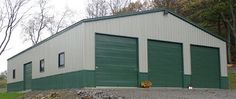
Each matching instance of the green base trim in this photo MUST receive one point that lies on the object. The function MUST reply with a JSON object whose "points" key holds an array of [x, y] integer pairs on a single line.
{"points": [[187, 81], [224, 83], [78, 79], [16, 86], [89, 78], [84, 78]]}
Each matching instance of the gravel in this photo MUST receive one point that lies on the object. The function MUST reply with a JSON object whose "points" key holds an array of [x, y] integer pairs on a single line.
{"points": [[132, 93]]}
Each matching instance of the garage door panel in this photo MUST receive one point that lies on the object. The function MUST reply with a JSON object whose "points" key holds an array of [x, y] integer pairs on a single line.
{"points": [[114, 46], [205, 67], [112, 53], [165, 63], [116, 57], [106, 76], [116, 61], [117, 39], [127, 61], [115, 69], [110, 67]]}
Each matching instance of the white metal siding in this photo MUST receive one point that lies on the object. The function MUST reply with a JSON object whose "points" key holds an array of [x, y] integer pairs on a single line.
{"points": [[71, 43], [153, 26]]}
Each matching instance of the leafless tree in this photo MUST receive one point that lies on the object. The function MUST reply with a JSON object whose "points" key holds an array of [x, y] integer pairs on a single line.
{"points": [[117, 5], [33, 28], [97, 8], [44, 22], [136, 6], [11, 13], [64, 20], [164, 3]]}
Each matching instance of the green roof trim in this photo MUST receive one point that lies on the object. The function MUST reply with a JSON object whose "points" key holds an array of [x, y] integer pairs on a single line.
{"points": [[118, 16]]}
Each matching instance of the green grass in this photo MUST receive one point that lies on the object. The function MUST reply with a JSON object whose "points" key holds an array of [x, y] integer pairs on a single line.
{"points": [[3, 90], [232, 80], [11, 95], [3, 85]]}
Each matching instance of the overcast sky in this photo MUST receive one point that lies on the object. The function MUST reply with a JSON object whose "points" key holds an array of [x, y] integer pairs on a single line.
{"points": [[17, 45]]}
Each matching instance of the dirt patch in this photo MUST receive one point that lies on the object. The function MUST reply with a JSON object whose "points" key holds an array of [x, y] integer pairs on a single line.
{"points": [[135, 93], [74, 94]]}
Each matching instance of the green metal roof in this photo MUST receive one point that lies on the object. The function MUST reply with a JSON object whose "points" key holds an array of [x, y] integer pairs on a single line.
{"points": [[119, 16]]}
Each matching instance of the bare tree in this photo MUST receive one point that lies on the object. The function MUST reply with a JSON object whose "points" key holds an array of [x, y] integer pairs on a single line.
{"points": [[117, 5], [64, 20], [11, 14], [44, 22], [164, 3], [97, 8], [33, 28], [174, 5], [136, 6]]}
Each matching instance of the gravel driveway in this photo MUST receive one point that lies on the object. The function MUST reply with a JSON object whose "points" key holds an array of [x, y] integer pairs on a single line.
{"points": [[133, 93]]}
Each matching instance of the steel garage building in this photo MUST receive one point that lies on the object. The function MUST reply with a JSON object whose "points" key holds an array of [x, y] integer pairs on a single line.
{"points": [[122, 51]]}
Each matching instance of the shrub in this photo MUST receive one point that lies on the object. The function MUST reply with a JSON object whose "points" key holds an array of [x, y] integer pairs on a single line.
{"points": [[146, 84]]}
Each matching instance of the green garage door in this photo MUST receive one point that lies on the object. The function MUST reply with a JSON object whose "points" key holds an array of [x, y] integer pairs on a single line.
{"points": [[205, 67], [27, 75], [116, 61], [165, 64]]}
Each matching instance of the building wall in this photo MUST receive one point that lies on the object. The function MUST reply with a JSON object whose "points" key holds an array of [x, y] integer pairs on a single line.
{"points": [[152, 26], [71, 43], [78, 43]]}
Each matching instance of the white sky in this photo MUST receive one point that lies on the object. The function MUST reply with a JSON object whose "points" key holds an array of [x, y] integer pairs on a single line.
{"points": [[16, 43]]}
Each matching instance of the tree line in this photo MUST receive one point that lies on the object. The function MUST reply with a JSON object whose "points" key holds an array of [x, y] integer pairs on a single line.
{"points": [[218, 16]]}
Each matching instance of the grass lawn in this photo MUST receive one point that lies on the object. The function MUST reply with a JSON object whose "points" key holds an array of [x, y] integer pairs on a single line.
{"points": [[3, 83], [232, 80], [11, 95]]}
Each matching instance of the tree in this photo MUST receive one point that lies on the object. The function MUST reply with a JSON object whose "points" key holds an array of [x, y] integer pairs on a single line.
{"points": [[3, 75], [3, 79], [34, 27], [62, 21], [228, 14], [217, 16], [116, 6], [11, 13], [43, 22], [136, 7], [169, 4], [97, 8]]}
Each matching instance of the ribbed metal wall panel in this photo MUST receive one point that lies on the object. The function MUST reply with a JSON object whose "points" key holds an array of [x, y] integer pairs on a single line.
{"points": [[71, 43], [153, 26]]}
